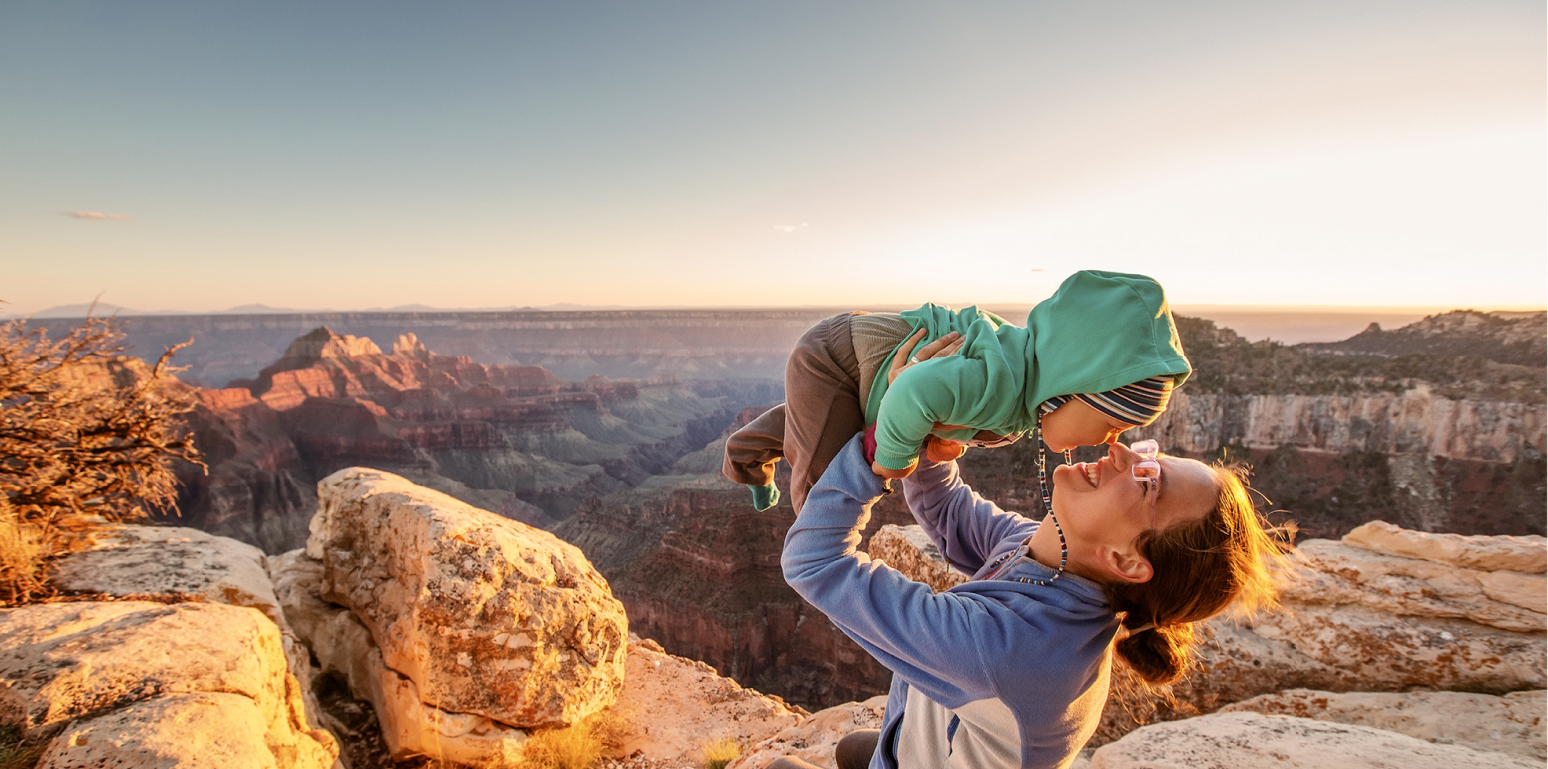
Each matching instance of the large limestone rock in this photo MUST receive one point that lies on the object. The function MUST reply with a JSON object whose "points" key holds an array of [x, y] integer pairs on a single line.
{"points": [[1254, 741], [909, 550], [126, 559], [202, 729], [132, 560], [410, 727], [479, 614], [1509, 724], [1527, 554], [676, 706], [114, 675], [814, 738]]}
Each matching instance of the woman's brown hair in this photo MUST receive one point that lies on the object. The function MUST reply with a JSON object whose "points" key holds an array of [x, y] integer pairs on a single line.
{"points": [[1230, 557]]}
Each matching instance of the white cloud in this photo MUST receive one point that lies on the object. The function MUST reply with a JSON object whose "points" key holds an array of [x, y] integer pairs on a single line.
{"points": [[96, 215]]}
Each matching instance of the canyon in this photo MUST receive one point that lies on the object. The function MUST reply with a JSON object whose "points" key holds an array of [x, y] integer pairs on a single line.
{"points": [[626, 466], [514, 439]]}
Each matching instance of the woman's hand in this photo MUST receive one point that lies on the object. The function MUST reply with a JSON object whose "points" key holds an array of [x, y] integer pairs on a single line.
{"points": [[906, 356], [934, 449]]}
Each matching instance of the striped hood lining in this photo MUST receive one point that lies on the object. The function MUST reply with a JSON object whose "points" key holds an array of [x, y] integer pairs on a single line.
{"points": [[1137, 404]]}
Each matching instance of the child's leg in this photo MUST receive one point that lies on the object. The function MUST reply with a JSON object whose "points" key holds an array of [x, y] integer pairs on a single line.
{"points": [[821, 412], [752, 451], [822, 402]]}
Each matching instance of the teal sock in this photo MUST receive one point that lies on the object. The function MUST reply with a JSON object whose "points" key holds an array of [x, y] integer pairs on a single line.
{"points": [[765, 497]]}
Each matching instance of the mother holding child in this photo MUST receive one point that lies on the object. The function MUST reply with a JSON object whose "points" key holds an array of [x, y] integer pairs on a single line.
{"points": [[1010, 669]]}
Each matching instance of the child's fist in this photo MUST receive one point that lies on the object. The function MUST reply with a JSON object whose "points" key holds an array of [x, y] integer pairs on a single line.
{"points": [[941, 450]]}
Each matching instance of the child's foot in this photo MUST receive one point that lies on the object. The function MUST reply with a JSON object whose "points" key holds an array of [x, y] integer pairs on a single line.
{"points": [[765, 497]]}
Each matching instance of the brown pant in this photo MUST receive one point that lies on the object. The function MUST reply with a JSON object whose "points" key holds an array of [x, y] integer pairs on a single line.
{"points": [[821, 412]]}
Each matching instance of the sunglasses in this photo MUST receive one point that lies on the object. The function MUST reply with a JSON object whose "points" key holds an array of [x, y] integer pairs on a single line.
{"points": [[1148, 469]]}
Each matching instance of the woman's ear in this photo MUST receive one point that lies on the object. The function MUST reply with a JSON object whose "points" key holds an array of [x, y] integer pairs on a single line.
{"points": [[1127, 565]]}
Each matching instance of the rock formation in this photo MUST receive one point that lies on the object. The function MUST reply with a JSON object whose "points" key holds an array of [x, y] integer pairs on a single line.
{"points": [[1504, 337], [513, 439], [1512, 723], [814, 737], [144, 683], [676, 706], [465, 631], [1253, 741], [479, 615]]}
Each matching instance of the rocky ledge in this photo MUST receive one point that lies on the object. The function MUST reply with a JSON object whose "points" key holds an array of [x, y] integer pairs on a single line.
{"points": [[464, 633]]}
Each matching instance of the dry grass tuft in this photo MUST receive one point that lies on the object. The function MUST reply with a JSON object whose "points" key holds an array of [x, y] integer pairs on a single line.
{"points": [[580, 746], [21, 554], [16, 752], [720, 752]]}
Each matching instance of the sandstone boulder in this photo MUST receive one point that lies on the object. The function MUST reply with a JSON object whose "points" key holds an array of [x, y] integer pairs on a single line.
{"points": [[132, 560], [203, 729], [484, 616], [675, 706], [97, 669], [127, 559], [1405, 586], [909, 550], [1527, 554], [814, 738], [1509, 724], [1254, 741], [410, 727]]}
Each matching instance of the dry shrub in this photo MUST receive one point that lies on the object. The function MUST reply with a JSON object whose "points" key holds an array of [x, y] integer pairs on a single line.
{"points": [[716, 754], [579, 746], [86, 434]]}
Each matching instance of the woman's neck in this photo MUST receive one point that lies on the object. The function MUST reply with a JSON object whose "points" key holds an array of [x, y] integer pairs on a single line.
{"points": [[1044, 548]]}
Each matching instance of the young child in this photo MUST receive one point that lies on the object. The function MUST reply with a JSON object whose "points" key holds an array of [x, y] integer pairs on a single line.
{"points": [[1098, 357]]}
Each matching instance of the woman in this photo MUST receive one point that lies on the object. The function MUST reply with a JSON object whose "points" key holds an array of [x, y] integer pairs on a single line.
{"points": [[1012, 668]]}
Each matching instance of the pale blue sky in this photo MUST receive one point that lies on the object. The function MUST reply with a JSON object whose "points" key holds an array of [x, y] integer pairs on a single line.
{"points": [[354, 155]]}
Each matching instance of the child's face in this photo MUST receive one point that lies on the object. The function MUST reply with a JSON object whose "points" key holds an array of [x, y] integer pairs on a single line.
{"points": [[1076, 424]]}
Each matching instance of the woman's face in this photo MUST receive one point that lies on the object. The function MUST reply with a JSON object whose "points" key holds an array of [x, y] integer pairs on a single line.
{"points": [[1077, 424], [1101, 504]]}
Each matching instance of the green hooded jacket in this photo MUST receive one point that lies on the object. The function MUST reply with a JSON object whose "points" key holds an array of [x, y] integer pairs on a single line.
{"points": [[1099, 331]]}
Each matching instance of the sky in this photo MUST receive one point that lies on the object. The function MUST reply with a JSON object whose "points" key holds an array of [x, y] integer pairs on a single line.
{"points": [[194, 156]]}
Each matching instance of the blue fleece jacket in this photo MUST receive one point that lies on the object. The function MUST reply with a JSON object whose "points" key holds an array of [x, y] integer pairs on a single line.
{"points": [[992, 673]]}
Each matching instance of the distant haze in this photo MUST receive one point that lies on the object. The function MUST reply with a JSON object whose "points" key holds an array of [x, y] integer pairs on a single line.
{"points": [[1289, 325]]}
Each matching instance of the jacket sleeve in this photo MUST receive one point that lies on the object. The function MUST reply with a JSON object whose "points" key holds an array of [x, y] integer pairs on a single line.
{"points": [[922, 395], [963, 525], [917, 634]]}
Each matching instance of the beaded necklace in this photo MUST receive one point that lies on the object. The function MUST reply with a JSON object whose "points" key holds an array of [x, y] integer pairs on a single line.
{"points": [[1042, 483]]}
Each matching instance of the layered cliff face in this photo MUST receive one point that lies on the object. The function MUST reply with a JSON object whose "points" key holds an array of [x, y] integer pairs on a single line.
{"points": [[514, 439], [697, 568], [1429, 440]]}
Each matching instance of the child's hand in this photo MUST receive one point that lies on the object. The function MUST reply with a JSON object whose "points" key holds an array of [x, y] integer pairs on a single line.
{"points": [[906, 356], [942, 450]]}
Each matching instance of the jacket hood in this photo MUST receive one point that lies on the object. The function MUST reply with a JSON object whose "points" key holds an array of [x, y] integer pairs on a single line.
{"points": [[1099, 331]]}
